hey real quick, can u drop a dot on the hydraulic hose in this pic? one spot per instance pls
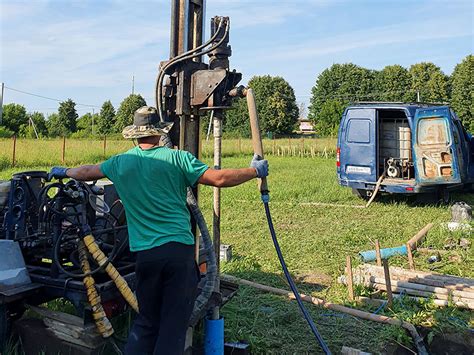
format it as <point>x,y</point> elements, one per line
<point>119,281</point>
<point>101,321</point>
<point>262,183</point>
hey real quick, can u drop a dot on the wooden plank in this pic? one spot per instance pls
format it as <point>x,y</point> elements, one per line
<point>415,286</point>
<point>58,316</point>
<point>448,279</point>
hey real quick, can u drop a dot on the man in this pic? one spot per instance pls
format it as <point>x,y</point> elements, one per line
<point>151,181</point>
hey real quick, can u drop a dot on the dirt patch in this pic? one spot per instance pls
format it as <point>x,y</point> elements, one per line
<point>315,279</point>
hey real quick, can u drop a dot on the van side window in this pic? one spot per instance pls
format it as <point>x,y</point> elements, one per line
<point>358,131</point>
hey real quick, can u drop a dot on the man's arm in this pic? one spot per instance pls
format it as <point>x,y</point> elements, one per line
<point>227,177</point>
<point>85,173</point>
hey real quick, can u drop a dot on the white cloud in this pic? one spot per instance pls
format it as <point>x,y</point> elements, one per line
<point>406,32</point>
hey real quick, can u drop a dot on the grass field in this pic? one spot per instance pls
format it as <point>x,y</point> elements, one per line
<point>315,238</point>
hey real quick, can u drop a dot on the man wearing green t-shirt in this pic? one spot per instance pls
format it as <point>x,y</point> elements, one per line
<point>151,181</point>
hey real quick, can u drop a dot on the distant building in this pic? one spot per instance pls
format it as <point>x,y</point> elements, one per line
<point>305,126</point>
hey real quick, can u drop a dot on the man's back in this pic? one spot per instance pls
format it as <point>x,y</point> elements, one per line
<point>152,186</point>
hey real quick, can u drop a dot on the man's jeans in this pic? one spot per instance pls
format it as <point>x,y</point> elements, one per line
<point>167,279</point>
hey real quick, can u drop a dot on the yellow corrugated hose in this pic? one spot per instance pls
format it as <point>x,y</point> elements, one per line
<point>102,322</point>
<point>119,281</point>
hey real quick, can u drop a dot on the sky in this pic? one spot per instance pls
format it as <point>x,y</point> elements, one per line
<point>90,50</point>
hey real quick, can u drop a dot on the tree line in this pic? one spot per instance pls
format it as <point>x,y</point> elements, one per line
<point>342,84</point>
<point>335,88</point>
<point>66,122</point>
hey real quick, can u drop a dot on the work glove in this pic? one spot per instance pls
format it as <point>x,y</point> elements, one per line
<point>260,165</point>
<point>57,172</point>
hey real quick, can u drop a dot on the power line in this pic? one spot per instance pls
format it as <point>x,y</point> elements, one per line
<point>45,97</point>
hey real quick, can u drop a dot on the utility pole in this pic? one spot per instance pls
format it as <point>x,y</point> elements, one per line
<point>32,123</point>
<point>133,84</point>
<point>1,103</point>
<point>93,113</point>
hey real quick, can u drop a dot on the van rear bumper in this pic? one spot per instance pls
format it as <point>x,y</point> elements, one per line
<point>395,189</point>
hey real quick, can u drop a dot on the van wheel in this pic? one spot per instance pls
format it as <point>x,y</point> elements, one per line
<point>363,194</point>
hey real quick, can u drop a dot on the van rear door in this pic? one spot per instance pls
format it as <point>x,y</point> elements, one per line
<point>435,147</point>
<point>358,146</point>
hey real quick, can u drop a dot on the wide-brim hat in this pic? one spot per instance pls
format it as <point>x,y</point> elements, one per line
<point>146,123</point>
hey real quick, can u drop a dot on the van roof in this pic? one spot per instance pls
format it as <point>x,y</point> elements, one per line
<point>396,104</point>
<point>411,107</point>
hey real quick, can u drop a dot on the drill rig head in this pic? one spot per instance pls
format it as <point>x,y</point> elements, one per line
<point>192,87</point>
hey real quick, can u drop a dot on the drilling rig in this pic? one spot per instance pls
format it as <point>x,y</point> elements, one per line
<point>45,227</point>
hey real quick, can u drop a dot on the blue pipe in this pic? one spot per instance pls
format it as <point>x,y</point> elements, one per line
<point>214,336</point>
<point>385,253</point>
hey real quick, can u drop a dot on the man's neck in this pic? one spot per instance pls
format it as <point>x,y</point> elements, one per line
<point>148,142</point>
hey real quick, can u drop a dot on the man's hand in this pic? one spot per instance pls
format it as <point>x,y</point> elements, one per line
<point>260,165</point>
<point>57,172</point>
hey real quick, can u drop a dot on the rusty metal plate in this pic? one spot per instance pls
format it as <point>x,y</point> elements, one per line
<point>203,84</point>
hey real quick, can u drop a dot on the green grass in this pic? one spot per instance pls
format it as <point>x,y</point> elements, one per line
<point>315,239</point>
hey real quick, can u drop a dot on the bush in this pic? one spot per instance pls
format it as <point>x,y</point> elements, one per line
<point>5,133</point>
<point>81,134</point>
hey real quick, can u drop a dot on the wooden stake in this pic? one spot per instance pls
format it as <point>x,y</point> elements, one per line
<point>63,155</point>
<point>388,282</point>
<point>105,144</point>
<point>377,253</point>
<point>418,237</point>
<point>410,257</point>
<point>350,287</point>
<point>14,151</point>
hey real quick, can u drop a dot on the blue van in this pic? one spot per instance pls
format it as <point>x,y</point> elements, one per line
<point>417,148</point>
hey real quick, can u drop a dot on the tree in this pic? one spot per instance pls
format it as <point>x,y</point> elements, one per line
<point>125,112</point>
<point>344,83</point>
<point>14,115</point>
<point>329,118</point>
<point>462,94</point>
<point>392,83</point>
<point>65,123</point>
<point>431,83</point>
<point>276,105</point>
<point>55,128</point>
<point>339,84</point>
<point>84,123</point>
<point>28,130</point>
<point>106,119</point>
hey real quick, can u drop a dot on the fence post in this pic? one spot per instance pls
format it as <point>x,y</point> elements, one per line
<point>14,151</point>
<point>105,144</point>
<point>63,155</point>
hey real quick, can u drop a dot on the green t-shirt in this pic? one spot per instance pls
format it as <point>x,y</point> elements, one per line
<point>152,186</point>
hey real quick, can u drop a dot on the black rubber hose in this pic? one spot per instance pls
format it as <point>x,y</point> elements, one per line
<point>306,315</point>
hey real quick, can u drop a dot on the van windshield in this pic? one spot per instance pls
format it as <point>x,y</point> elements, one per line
<point>433,130</point>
